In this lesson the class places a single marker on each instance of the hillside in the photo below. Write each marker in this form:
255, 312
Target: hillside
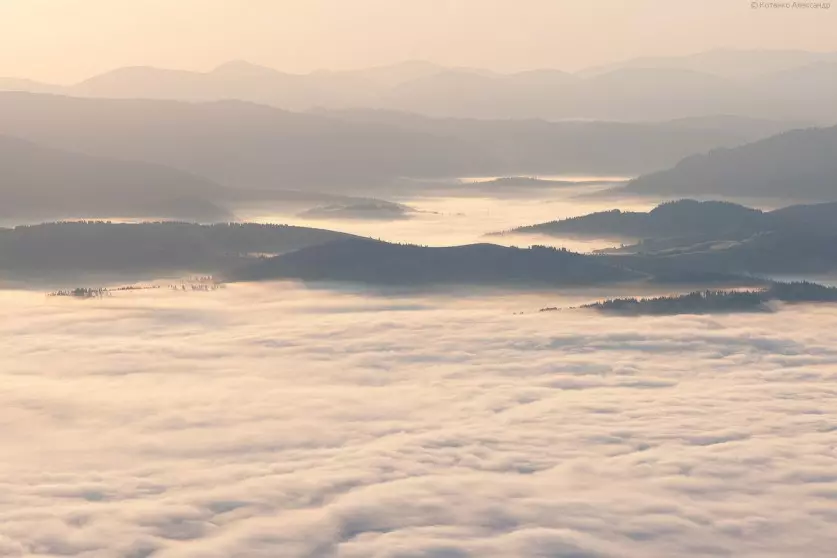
679, 218
769, 253
682, 222
524, 147
236, 144
43, 183
718, 302
379, 263
799, 164
251, 252
57, 249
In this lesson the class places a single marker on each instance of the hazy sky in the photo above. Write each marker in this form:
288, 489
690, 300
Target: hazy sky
66, 40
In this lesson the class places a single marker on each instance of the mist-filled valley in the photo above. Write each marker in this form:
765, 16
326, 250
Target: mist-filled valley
276, 420
420, 309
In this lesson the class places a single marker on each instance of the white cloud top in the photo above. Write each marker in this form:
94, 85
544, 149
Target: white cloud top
275, 421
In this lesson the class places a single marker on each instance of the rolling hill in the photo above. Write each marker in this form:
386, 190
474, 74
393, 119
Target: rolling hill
40, 183
53, 250
677, 219
380, 263
798, 164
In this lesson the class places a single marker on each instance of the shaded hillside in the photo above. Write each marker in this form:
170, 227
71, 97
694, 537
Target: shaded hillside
380, 263
781, 252
718, 302
250, 252
43, 183
684, 223
814, 218
799, 164
679, 218
72, 247
689, 239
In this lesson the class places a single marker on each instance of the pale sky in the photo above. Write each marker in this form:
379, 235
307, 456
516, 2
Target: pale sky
67, 40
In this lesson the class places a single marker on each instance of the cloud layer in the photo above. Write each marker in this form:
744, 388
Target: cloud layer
275, 421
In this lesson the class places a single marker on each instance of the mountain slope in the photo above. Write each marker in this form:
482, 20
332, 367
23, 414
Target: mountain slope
679, 218
537, 146
380, 263
44, 183
779, 252
57, 249
798, 164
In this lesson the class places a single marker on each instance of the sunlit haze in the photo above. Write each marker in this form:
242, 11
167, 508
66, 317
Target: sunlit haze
68, 40
418, 279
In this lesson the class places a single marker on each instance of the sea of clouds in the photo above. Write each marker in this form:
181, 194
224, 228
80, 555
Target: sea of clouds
277, 421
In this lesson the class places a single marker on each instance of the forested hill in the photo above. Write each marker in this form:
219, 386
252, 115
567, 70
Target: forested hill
55, 248
689, 218
714, 302
677, 218
381, 263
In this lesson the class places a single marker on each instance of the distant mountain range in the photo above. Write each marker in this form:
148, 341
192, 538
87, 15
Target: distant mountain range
780, 85
245, 146
797, 164
197, 162
237, 144
726, 63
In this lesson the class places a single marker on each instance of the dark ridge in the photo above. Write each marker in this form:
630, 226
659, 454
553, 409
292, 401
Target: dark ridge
798, 164
715, 302
380, 263
126, 248
679, 218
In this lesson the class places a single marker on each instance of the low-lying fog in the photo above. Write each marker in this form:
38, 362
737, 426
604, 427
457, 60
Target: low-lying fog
456, 220
278, 420
274, 420
464, 216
